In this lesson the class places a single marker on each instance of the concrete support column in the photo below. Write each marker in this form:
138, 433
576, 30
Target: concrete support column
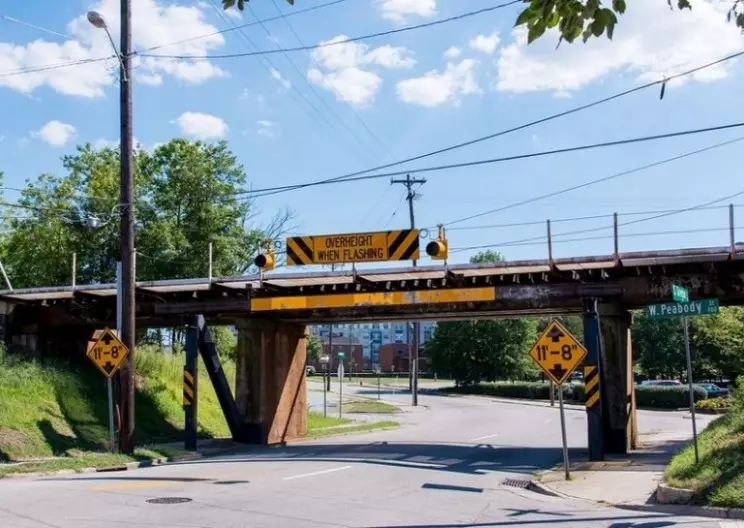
618, 391
271, 387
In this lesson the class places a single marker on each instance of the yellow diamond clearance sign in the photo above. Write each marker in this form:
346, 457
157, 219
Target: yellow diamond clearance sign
557, 352
107, 351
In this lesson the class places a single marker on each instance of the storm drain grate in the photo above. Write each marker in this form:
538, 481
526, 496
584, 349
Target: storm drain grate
516, 483
168, 500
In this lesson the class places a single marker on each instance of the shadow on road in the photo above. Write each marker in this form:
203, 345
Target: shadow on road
627, 522
465, 459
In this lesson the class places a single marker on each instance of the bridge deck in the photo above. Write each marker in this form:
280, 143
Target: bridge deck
461, 290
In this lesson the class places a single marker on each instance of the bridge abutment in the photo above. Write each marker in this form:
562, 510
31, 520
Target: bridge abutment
271, 386
618, 392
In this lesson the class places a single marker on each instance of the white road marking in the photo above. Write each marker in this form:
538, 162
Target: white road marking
314, 473
732, 524
483, 438
548, 420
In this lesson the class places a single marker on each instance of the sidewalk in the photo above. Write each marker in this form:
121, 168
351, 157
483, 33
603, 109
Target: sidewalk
621, 481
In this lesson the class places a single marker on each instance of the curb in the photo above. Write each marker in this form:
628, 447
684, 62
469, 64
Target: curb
670, 509
129, 466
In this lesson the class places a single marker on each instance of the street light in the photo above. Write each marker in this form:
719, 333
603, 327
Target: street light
96, 19
126, 202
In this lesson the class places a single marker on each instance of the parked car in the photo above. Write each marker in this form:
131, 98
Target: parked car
309, 370
660, 383
713, 390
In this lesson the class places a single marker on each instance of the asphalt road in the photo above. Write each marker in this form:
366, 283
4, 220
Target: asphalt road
444, 468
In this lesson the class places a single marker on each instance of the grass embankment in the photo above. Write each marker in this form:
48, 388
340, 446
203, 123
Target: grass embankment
719, 477
370, 407
58, 410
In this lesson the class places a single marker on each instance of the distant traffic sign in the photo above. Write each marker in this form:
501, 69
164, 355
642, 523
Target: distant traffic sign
107, 351
557, 352
682, 309
353, 247
680, 293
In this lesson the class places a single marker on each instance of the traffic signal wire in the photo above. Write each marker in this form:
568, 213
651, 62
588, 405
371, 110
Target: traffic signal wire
437, 168
359, 38
565, 190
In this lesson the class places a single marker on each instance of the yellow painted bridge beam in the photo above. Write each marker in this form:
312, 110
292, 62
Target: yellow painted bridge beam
349, 300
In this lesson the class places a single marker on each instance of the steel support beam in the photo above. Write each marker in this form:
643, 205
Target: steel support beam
593, 381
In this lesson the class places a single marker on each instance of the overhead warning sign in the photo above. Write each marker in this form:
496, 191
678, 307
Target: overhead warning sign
107, 351
378, 246
557, 352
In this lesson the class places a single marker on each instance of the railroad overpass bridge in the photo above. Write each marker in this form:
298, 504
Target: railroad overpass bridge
271, 313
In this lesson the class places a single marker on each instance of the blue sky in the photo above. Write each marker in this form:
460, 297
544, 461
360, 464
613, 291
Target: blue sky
416, 91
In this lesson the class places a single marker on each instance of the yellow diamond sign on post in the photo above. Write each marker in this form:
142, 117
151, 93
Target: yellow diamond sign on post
557, 352
107, 351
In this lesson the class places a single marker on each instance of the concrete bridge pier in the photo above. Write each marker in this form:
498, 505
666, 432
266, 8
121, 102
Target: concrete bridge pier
618, 392
271, 387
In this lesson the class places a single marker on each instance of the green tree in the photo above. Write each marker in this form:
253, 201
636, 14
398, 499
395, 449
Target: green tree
593, 18
475, 351
719, 341
187, 195
658, 346
314, 348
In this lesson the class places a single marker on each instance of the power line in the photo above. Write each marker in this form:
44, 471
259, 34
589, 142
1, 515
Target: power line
436, 168
292, 13
345, 41
593, 182
270, 68
322, 70
304, 79
55, 66
607, 237
38, 28
574, 219
543, 238
524, 126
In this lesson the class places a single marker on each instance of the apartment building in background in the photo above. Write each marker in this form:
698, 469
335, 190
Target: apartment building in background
371, 337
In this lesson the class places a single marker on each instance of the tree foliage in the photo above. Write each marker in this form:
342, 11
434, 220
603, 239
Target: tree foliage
314, 348
474, 351
593, 18
186, 197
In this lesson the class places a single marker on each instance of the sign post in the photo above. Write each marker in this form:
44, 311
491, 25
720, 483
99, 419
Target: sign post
683, 307
558, 353
324, 360
340, 383
107, 352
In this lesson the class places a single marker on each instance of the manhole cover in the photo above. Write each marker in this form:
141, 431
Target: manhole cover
168, 500
516, 483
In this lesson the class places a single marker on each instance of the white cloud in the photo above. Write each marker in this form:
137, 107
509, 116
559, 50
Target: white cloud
201, 126
55, 133
266, 128
390, 57
156, 22
435, 88
452, 52
399, 10
486, 43
277, 75
675, 41
345, 68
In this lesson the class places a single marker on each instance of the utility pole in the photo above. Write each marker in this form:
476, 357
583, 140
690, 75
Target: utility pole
412, 356
126, 438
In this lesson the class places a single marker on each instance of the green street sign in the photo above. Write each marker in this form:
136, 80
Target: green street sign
680, 294
341, 355
682, 309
